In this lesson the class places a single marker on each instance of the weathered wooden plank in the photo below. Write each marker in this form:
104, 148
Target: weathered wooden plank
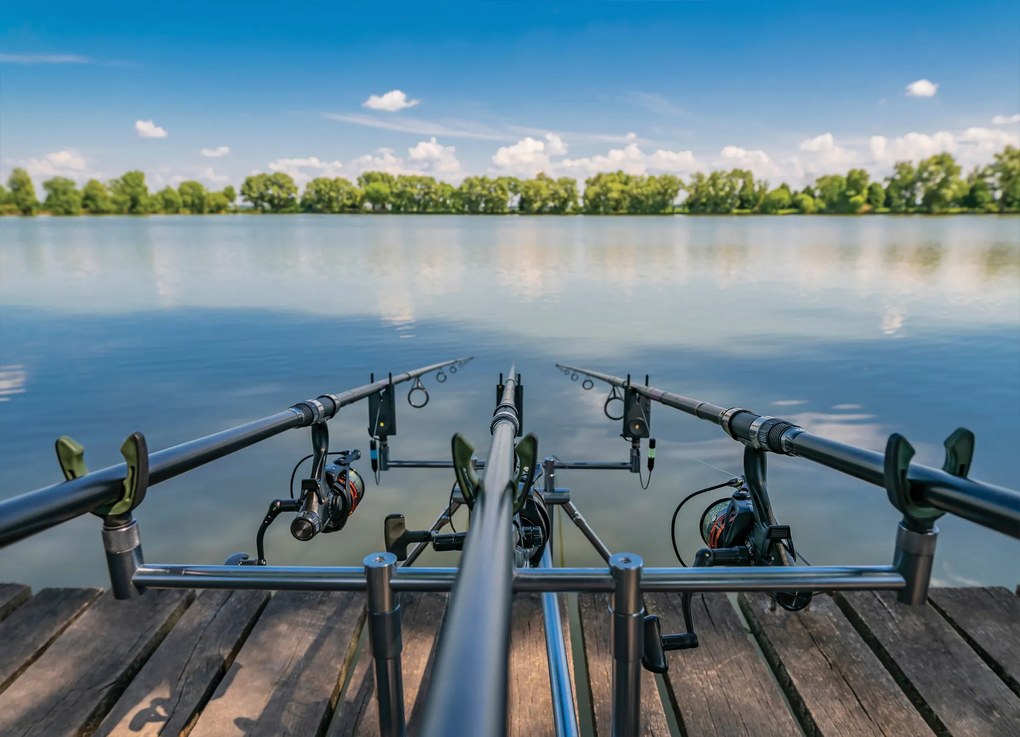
286, 678
12, 595
956, 692
420, 619
69, 688
837, 685
30, 629
595, 625
988, 619
723, 686
165, 696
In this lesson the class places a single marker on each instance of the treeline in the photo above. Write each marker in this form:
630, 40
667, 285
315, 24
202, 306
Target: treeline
933, 185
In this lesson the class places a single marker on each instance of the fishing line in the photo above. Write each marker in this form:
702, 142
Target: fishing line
736, 481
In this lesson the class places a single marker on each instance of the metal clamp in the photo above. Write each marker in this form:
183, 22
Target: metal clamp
726, 418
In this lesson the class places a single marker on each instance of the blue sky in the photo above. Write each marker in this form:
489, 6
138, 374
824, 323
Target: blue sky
215, 92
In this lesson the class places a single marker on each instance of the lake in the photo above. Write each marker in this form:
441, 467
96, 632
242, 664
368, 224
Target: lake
854, 327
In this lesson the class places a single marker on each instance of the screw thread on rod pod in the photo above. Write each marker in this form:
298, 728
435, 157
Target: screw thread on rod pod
914, 558
386, 642
627, 642
123, 547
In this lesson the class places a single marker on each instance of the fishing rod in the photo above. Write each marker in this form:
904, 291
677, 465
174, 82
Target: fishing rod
922, 493
115, 490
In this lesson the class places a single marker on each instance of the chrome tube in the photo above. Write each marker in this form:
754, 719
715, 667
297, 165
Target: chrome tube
383, 615
626, 642
564, 714
576, 580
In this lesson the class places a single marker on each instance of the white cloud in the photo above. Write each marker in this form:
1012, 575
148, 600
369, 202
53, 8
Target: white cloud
383, 159
215, 153
971, 147
299, 168
44, 59
756, 160
631, 160
1006, 119
911, 146
57, 164
148, 129
922, 88
391, 102
822, 152
434, 157
529, 155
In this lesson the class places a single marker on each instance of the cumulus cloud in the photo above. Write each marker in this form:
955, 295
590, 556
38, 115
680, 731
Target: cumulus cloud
632, 160
756, 160
529, 155
970, 147
822, 152
433, 156
56, 164
391, 102
303, 170
1006, 119
148, 129
922, 88
215, 153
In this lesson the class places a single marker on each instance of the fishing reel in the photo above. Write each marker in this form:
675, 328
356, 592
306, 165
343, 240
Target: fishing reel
739, 530
329, 511
323, 506
737, 534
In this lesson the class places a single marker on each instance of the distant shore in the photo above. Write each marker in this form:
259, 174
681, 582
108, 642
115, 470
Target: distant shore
932, 186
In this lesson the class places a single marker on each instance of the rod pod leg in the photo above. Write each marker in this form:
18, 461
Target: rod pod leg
384, 637
627, 644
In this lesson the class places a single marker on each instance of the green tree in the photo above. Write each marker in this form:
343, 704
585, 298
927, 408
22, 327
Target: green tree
130, 193
876, 195
377, 189
255, 190
750, 192
96, 198
22, 192
901, 188
230, 193
282, 193
483, 195
777, 200
216, 203
62, 196
325, 195
193, 196
169, 200
831, 191
940, 183
1005, 172
805, 203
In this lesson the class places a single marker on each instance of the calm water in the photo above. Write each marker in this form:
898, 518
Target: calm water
852, 327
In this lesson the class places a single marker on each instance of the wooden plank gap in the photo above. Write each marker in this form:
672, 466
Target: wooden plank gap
988, 619
32, 628
12, 595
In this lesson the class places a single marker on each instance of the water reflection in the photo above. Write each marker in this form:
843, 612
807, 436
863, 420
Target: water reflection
183, 326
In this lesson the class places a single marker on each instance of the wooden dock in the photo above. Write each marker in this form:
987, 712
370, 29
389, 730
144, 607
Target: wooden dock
219, 663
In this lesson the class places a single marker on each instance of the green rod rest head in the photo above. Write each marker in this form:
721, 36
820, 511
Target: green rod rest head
464, 469
917, 515
71, 457
136, 454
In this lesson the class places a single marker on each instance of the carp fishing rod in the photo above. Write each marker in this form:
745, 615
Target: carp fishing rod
114, 491
507, 546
